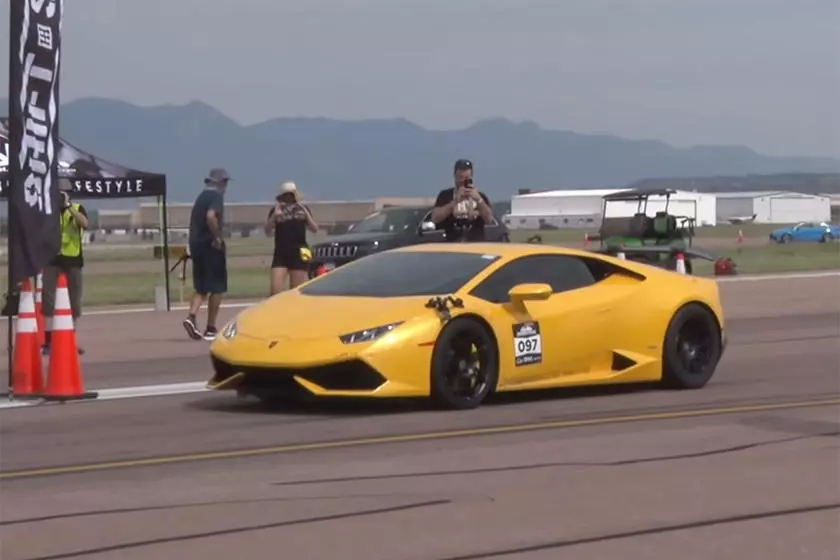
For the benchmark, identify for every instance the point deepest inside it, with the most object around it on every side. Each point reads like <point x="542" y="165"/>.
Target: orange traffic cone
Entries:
<point x="64" y="380"/>
<point x="39" y="309"/>
<point x="27" y="367"/>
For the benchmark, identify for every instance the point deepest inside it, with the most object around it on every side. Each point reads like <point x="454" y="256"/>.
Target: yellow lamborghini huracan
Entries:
<point x="457" y="322"/>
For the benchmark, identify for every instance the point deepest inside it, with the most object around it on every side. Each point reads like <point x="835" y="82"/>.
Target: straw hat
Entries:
<point x="289" y="187"/>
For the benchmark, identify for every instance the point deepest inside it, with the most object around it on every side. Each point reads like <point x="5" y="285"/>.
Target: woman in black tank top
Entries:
<point x="289" y="220"/>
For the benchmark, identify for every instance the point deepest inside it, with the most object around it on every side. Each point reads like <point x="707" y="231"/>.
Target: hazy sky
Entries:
<point x="765" y="73"/>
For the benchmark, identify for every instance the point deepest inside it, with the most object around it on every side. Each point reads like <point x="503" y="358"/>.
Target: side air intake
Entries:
<point x="620" y="362"/>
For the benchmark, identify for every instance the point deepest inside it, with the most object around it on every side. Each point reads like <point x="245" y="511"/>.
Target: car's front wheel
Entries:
<point x="465" y="365"/>
<point x="692" y="349"/>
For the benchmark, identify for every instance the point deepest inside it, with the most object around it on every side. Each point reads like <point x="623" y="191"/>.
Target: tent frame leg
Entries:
<point x="164" y="233"/>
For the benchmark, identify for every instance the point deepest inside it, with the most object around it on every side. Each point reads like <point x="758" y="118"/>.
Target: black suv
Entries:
<point x="389" y="228"/>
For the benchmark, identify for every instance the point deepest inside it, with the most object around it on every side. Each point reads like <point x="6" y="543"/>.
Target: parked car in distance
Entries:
<point x="389" y="228"/>
<point x="806" y="231"/>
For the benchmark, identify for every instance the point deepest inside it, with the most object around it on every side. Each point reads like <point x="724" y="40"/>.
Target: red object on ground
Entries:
<point x="725" y="266"/>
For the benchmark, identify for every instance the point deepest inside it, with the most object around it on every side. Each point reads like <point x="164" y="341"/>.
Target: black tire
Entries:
<point x="692" y="348"/>
<point x="787" y="238"/>
<point x="826" y="237"/>
<point x="465" y="352"/>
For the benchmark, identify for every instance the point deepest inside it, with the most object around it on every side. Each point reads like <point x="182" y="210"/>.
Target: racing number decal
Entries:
<point x="527" y="343"/>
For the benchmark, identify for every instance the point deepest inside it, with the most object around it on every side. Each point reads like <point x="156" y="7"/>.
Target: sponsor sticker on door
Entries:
<point x="527" y="343"/>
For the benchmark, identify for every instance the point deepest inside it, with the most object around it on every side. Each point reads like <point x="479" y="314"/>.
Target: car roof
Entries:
<point x="509" y="251"/>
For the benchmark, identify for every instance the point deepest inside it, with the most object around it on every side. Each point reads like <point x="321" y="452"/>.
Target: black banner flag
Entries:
<point x="34" y="200"/>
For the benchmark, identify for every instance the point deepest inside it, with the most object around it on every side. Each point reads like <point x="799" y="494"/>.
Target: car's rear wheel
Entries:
<point x="465" y="365"/>
<point x="692" y="348"/>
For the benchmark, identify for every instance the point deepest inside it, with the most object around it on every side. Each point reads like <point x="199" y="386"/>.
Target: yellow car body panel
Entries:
<point x="584" y="331"/>
<point x="299" y="339"/>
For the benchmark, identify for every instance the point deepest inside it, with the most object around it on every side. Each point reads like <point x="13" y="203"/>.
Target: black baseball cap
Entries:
<point x="463" y="164"/>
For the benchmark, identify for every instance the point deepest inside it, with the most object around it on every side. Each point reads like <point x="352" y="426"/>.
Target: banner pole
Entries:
<point x="9" y="214"/>
<point x="11" y="312"/>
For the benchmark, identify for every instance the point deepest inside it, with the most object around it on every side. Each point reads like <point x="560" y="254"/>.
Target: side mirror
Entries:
<point x="530" y="292"/>
<point x="427" y="227"/>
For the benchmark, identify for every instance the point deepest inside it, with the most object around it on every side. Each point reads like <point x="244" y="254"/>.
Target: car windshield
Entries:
<point x="391" y="220"/>
<point x="401" y="274"/>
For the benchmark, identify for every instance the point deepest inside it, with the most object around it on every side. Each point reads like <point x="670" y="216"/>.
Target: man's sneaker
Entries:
<point x="210" y="334"/>
<point x="192" y="330"/>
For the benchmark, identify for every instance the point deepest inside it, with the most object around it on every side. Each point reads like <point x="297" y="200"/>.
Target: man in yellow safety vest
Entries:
<point x="69" y="260"/>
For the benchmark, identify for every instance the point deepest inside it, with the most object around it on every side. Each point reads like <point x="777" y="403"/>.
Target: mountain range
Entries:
<point x="352" y="160"/>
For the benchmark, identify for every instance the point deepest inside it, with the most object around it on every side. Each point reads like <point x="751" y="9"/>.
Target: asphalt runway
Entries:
<point x="747" y="467"/>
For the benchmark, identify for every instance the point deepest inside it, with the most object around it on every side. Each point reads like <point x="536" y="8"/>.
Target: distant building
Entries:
<point x="773" y="207"/>
<point x="834" y="201"/>
<point x="583" y="208"/>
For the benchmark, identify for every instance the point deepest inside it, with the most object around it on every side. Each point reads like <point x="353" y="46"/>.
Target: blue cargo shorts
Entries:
<point x="209" y="269"/>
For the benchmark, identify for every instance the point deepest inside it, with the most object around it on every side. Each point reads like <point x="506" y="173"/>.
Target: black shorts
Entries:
<point x="209" y="268"/>
<point x="290" y="258"/>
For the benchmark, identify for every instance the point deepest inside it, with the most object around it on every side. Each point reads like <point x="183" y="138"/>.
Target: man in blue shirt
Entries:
<point x="207" y="252"/>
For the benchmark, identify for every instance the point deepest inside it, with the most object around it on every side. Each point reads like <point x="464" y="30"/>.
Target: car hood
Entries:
<point x="359" y="238"/>
<point x="293" y="316"/>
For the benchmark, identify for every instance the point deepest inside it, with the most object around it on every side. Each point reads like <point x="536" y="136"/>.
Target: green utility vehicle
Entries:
<point x="642" y="229"/>
<point x="656" y="239"/>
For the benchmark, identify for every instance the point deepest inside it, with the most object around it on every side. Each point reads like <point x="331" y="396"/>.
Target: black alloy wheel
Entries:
<point x="693" y="348"/>
<point x="464" y="365"/>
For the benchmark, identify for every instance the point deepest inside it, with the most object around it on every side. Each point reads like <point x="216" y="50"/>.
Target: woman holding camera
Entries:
<point x="289" y="220"/>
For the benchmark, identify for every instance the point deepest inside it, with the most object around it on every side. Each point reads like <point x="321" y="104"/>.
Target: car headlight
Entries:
<point x="368" y="335"/>
<point x="229" y="331"/>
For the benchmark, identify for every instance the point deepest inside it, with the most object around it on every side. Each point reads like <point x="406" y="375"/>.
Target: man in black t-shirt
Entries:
<point x="462" y="211"/>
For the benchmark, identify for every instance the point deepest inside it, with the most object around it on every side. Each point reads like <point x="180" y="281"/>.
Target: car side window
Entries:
<point x="561" y="272"/>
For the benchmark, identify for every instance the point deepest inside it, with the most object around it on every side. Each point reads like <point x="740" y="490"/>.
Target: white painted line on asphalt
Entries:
<point x="126" y="393"/>
<point x="152" y="390"/>
<point x="16" y="404"/>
